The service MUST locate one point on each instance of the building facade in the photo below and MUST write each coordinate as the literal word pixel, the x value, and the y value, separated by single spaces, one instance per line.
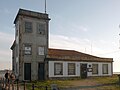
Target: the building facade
pixel 33 60
pixel 70 63
pixel 31 44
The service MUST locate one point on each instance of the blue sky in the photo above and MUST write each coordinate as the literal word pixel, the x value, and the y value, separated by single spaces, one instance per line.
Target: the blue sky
pixel 89 26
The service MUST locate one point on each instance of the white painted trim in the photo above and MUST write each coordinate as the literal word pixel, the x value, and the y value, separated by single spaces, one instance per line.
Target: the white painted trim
pixel 77 66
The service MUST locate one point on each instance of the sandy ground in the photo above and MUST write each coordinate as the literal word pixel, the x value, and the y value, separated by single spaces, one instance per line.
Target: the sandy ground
pixel 85 82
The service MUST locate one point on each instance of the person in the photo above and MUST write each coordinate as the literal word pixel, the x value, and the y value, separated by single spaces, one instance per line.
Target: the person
pixel 12 79
pixel 7 76
pixel 12 76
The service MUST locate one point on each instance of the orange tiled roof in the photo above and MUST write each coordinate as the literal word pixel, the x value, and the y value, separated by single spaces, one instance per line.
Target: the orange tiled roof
pixel 61 54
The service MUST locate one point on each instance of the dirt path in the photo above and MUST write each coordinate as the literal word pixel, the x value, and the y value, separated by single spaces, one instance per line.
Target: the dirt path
pixel 85 82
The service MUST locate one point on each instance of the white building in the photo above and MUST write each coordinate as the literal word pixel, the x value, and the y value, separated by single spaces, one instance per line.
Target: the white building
pixel 70 63
pixel 33 60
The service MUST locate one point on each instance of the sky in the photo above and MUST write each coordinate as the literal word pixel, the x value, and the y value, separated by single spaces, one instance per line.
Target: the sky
pixel 88 26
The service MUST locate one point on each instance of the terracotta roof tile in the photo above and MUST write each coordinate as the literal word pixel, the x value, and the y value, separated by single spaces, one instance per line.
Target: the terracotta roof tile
pixel 62 54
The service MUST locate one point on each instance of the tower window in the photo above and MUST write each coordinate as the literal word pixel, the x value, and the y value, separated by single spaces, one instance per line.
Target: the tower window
pixel 41 28
pixel 27 49
pixel 28 27
pixel 40 50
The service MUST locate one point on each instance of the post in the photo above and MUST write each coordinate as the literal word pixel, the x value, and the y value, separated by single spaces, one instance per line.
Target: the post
pixel 3 82
pixel 12 85
pixel 17 85
pixel 24 85
pixel 119 80
pixel 46 88
pixel 32 86
pixel 45 6
pixel 9 85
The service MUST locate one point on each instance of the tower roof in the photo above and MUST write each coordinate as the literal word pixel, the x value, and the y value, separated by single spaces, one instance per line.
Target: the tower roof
pixel 32 14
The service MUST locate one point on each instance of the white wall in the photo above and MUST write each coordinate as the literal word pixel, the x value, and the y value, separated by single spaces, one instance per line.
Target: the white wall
pixel 77 65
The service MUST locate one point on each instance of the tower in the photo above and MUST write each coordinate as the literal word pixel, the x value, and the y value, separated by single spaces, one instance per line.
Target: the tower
pixel 31 45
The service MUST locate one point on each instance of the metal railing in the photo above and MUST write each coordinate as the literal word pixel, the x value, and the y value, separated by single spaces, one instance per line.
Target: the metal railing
pixel 22 85
pixel 12 84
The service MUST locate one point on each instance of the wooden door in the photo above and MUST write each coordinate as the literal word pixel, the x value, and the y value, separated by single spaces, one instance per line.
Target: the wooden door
pixel 41 71
pixel 83 70
pixel 27 71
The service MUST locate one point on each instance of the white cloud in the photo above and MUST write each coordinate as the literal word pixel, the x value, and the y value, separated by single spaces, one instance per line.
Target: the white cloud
pixel 82 45
pixel 74 26
pixel 5 11
pixel 5 65
pixel 79 27
pixel 5 37
pixel 5 52
pixel 99 48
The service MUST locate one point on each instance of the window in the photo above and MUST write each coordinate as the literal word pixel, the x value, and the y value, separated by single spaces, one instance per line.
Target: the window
pixel 27 49
pixel 28 27
pixel 94 68
pixel 41 28
pixel 105 68
pixel 58 68
pixel 40 50
pixel 71 68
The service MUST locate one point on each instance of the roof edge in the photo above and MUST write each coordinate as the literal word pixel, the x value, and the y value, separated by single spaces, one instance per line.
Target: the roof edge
pixel 30 13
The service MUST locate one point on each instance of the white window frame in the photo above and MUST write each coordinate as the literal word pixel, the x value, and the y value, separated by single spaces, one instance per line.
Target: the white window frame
pixel 71 69
pixel 27 49
pixel 94 68
pixel 41 50
pixel 105 68
pixel 41 28
pixel 28 27
pixel 58 68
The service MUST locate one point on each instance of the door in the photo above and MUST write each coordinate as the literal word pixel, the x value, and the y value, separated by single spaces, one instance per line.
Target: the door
pixel 27 71
pixel 83 70
pixel 41 71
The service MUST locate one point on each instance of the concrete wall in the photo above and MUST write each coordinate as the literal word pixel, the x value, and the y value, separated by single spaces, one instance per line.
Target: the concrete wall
pixel 77 65
pixel 33 38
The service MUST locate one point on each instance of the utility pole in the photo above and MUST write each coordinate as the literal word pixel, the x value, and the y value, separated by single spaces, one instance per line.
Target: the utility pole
pixel 45 6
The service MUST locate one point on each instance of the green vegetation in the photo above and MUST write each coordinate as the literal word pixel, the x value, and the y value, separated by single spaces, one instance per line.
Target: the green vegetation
pixel 48 83
pixel 92 81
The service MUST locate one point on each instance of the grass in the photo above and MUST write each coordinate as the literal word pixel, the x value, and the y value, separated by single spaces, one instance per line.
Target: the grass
pixel 105 80
pixel 71 83
pixel 48 83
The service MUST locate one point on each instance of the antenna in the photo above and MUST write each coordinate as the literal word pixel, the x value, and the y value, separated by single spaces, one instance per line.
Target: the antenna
pixel 119 42
pixel 91 47
pixel 119 35
pixel 45 6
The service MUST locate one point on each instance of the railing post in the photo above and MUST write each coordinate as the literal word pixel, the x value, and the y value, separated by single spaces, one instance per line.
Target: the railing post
pixel 17 85
pixel 24 85
pixel 12 85
pixel 9 85
pixel 3 82
pixel 46 88
pixel 32 86
pixel 119 80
